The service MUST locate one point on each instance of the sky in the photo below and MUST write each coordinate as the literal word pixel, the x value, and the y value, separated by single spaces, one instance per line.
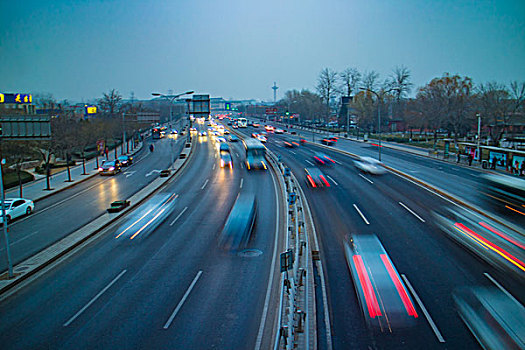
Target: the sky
pixel 237 49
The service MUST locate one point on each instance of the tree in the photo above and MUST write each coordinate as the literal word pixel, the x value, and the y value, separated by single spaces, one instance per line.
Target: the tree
pixel 327 86
pixel 17 152
pixel 305 103
pixel 370 80
pixel 494 105
pixel 449 99
pixel 110 102
pixel 400 83
pixel 350 77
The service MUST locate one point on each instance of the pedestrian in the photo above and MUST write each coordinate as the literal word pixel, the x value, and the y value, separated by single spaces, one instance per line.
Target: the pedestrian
pixel 522 168
pixel 458 156
pixel 470 159
pixel 516 168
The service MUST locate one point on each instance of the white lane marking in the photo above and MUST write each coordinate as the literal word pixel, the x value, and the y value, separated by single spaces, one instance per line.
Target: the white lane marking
pixel 270 275
pixel 179 306
pixel 366 178
pixel 335 182
pixel 242 181
pixel 205 183
pixel 307 161
pixel 129 173
pixel 500 287
pixel 425 312
pixel 362 216
pixel 238 155
pixel 242 165
pixel 337 162
pixel 293 152
pixel 411 212
pixel 178 216
pixel 94 299
pixel 213 166
pixel 153 171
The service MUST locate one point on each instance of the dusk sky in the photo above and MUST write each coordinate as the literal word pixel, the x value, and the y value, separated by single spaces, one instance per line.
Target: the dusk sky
pixel 237 48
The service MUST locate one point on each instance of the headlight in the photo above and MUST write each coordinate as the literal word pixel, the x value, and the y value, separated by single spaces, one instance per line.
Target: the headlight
pixel 100 169
pixel 112 168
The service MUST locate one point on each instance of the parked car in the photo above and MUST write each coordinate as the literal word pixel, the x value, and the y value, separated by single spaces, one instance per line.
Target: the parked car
pixel 125 160
pixel 109 167
pixel 16 207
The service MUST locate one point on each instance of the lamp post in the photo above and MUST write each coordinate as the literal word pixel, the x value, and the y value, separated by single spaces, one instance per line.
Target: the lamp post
pixel 171 98
pixel 378 118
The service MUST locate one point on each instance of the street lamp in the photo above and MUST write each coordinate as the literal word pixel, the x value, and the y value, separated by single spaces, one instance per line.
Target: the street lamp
pixel 171 98
pixel 378 118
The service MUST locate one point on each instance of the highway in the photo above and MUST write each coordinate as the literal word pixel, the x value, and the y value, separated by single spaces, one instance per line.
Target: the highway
pixel 400 213
pixel 57 216
pixel 157 278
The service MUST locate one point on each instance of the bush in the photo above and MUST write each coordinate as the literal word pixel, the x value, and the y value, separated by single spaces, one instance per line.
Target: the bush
pixel 11 178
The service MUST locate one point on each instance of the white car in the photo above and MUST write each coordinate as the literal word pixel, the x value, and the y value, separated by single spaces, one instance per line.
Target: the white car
pixel 261 138
pixel 16 207
pixel 370 165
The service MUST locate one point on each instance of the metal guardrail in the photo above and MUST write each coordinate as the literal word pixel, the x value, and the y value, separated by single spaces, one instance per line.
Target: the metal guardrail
pixel 293 323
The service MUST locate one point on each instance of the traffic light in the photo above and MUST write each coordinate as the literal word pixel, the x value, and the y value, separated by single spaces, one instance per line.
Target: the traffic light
pixel 287 113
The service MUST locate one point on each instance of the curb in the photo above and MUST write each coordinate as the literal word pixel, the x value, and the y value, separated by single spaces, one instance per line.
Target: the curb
pixel 40 263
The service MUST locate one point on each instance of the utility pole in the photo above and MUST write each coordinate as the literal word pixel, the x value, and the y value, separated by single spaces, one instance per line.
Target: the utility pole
pixel 479 136
pixel 4 224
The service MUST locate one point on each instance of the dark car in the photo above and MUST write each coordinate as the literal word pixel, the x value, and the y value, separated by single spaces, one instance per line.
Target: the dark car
pixel 327 142
pixel 239 225
pixel 109 167
pixel 323 159
pixel 233 138
pixel 125 160
pixel 315 178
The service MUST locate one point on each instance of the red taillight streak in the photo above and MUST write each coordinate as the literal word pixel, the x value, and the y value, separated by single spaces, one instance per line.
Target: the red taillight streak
pixel 399 286
pixel 510 239
pixel 311 180
pixel 319 160
pixel 330 159
pixel 324 180
pixel 368 290
pixel 494 247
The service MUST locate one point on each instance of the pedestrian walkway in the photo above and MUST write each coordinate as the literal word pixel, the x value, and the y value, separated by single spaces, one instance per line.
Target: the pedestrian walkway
pixel 36 189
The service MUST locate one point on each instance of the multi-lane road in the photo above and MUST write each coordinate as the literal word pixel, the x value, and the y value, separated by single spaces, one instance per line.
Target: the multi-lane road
pixel 157 279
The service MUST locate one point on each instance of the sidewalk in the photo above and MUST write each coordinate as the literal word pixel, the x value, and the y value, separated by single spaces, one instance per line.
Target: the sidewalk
pixel 35 190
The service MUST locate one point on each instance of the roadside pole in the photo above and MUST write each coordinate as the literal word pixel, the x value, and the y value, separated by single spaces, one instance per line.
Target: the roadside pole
pixel 6 235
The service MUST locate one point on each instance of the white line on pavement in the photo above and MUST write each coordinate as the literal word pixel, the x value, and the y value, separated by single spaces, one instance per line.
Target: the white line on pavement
pixel 362 216
pixel 307 161
pixel 366 178
pixel 94 299
pixel 205 183
pixel 213 166
pixel 411 212
pixel 427 315
pixel 178 216
pixel 242 165
pixel 166 326
pixel 258 341
pixel 337 162
pixel 242 181
pixel 335 182
pixel 293 152
pixel 500 287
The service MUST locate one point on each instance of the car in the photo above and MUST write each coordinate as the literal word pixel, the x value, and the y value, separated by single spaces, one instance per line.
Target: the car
pixel 293 133
pixel 240 224
pixel 225 159
pixel 333 138
pixel 226 132
pixel 289 144
pixel 233 138
pixel 109 167
pixel 173 132
pixel 193 130
pixel 203 134
pixel 369 165
pixel 323 159
pixel 315 178
pixel 125 160
pixel 17 207
pixel 255 135
pixel 256 125
pixel 385 302
pixel 327 142
pixel 262 138
pixel 279 131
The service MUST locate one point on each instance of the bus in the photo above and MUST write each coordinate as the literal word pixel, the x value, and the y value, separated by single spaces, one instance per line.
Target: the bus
pixel 255 154
pixel 242 122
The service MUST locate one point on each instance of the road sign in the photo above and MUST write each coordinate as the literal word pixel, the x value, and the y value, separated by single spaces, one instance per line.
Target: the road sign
pixel 271 110
pixel 201 105
pixel 287 260
pixel 25 127
pixel 227 106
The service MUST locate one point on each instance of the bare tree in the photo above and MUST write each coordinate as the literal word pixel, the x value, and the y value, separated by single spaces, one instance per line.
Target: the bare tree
pixel 400 82
pixel 350 77
pixel 110 102
pixel 494 105
pixel 327 86
pixel 369 80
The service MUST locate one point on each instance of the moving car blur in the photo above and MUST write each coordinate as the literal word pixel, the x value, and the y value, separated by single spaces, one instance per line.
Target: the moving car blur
pixel 125 160
pixel 370 165
pixel 240 223
pixel 315 178
pixel 323 159
pixel 383 297
pixel 110 167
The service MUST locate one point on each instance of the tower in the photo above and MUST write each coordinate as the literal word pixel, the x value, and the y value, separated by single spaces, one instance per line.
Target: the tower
pixel 274 87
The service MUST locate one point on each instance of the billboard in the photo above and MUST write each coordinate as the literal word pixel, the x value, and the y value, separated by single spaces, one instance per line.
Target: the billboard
pixel 25 127
pixel 16 98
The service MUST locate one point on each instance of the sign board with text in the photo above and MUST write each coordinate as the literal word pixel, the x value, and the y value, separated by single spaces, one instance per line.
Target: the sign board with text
pixel 16 98
pixel 201 105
